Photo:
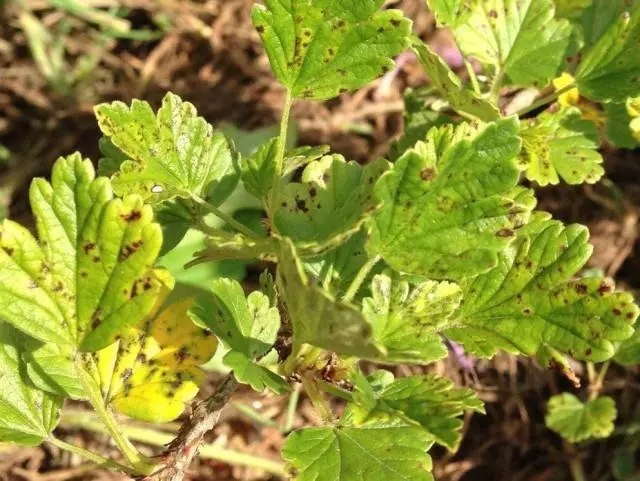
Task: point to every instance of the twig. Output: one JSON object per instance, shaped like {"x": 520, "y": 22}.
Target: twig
{"x": 181, "y": 451}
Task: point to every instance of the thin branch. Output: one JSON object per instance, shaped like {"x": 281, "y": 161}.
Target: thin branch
{"x": 181, "y": 451}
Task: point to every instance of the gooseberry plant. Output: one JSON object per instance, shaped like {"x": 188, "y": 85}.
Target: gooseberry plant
{"x": 384, "y": 262}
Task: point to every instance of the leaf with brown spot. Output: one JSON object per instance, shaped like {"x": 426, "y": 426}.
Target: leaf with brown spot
{"x": 93, "y": 250}
{"x": 153, "y": 370}
{"x": 318, "y": 50}
{"x": 171, "y": 153}
{"x": 530, "y": 302}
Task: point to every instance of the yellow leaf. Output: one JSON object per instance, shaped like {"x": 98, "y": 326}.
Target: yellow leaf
{"x": 152, "y": 371}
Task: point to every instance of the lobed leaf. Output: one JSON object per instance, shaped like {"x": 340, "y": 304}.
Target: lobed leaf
{"x": 429, "y": 401}
{"x": 316, "y": 317}
{"x": 90, "y": 277}
{"x": 577, "y": 421}
{"x": 173, "y": 153}
{"x": 518, "y": 38}
{"x": 449, "y": 86}
{"x": 407, "y": 321}
{"x": 389, "y": 450}
{"x": 529, "y": 299}
{"x": 248, "y": 326}
{"x": 152, "y": 371}
{"x": 561, "y": 145}
{"x": 598, "y": 17}
{"x": 321, "y": 48}
{"x": 27, "y": 414}
{"x": 331, "y": 201}
{"x": 609, "y": 70}
{"x": 451, "y": 204}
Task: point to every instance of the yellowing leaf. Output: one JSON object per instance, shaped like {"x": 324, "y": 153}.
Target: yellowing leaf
{"x": 153, "y": 371}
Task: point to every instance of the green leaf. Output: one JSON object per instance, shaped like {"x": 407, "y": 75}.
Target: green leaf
{"x": 27, "y": 415}
{"x": 561, "y": 145}
{"x": 452, "y": 12}
{"x": 406, "y": 320}
{"x": 90, "y": 278}
{"x": 519, "y": 38}
{"x": 337, "y": 268}
{"x": 331, "y": 201}
{"x": 419, "y": 119}
{"x": 225, "y": 245}
{"x": 319, "y": 49}
{"x": 609, "y": 70}
{"x": 577, "y": 421}
{"x": 175, "y": 219}
{"x": 316, "y": 317}
{"x": 151, "y": 372}
{"x": 430, "y": 401}
{"x": 51, "y": 368}
{"x": 619, "y": 131}
{"x": 247, "y": 325}
{"x": 389, "y": 451}
{"x": 449, "y": 86}
{"x": 571, "y": 9}
{"x": 628, "y": 352}
{"x": 451, "y": 204}
{"x": 173, "y": 153}
{"x": 258, "y": 171}
{"x": 254, "y": 374}
{"x": 599, "y": 16}
{"x": 530, "y": 300}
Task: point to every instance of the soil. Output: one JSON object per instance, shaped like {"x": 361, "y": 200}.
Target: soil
{"x": 211, "y": 56}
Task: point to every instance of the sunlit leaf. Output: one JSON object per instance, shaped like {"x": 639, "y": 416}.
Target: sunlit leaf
{"x": 384, "y": 450}
{"x": 450, "y": 87}
{"x": 173, "y": 153}
{"x": 518, "y": 38}
{"x": 577, "y": 421}
{"x": 451, "y": 204}
{"x": 27, "y": 415}
{"x": 428, "y": 400}
{"x": 530, "y": 299}
{"x": 90, "y": 276}
{"x": 152, "y": 371}
{"x": 247, "y": 325}
{"x": 319, "y": 49}
{"x": 330, "y": 202}
{"x": 406, "y": 320}
{"x": 561, "y": 145}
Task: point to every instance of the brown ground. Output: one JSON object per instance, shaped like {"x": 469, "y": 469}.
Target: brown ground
{"x": 212, "y": 57}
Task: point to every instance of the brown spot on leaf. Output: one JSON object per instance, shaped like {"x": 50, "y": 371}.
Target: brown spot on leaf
{"x": 132, "y": 216}
{"x": 88, "y": 247}
{"x": 581, "y": 289}
{"x": 505, "y": 233}
{"x": 427, "y": 173}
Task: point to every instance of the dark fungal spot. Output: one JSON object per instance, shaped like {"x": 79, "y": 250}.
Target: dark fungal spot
{"x": 260, "y": 28}
{"x": 88, "y": 247}
{"x": 126, "y": 374}
{"x": 340, "y": 24}
{"x": 8, "y": 250}
{"x": 427, "y": 173}
{"x": 588, "y": 352}
{"x": 492, "y": 14}
{"x": 395, "y": 22}
{"x": 505, "y": 233}
{"x": 581, "y": 289}
{"x": 141, "y": 358}
{"x": 617, "y": 312}
{"x": 132, "y": 216}
{"x": 181, "y": 355}
{"x": 605, "y": 287}
{"x": 343, "y": 90}
{"x": 301, "y": 205}
{"x": 312, "y": 192}
{"x": 630, "y": 315}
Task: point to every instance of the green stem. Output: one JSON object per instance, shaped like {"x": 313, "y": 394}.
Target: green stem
{"x": 494, "y": 93}
{"x": 85, "y": 420}
{"x": 291, "y": 409}
{"x": 473, "y": 77}
{"x": 545, "y": 100}
{"x": 92, "y": 390}
{"x": 243, "y": 229}
{"x": 359, "y": 279}
{"x": 597, "y": 384}
{"x": 280, "y": 151}
{"x": 577, "y": 470}
{"x": 91, "y": 456}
